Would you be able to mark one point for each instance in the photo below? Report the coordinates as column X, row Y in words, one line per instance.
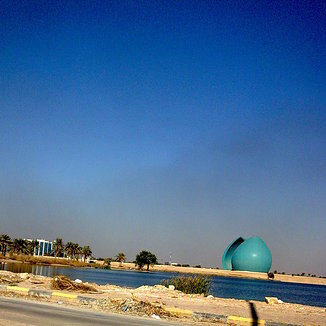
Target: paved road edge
column 229, row 320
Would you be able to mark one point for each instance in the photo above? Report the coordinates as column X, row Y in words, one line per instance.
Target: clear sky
column 170, row 126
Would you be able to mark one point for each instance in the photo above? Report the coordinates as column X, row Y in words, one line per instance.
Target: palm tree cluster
column 71, row 250
column 17, row 246
column 5, row 241
column 27, row 247
column 74, row 251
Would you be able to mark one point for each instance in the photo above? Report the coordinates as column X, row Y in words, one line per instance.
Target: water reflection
column 224, row 287
column 17, row 267
column 42, row 270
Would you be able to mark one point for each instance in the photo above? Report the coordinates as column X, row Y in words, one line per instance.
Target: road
column 21, row 312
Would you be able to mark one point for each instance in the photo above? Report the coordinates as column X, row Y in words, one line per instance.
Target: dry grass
column 51, row 261
column 10, row 278
column 61, row 282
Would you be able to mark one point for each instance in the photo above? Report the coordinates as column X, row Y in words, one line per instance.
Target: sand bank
column 220, row 272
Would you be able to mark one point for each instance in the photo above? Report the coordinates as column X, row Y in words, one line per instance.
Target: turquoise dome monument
column 250, row 255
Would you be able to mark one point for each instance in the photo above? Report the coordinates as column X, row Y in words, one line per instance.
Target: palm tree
column 79, row 251
column 19, row 246
column 5, row 241
column 72, row 249
column 31, row 245
column 86, row 251
column 120, row 257
column 58, row 247
column 69, row 249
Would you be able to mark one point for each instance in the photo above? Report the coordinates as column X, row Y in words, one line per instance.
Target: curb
column 17, row 289
column 44, row 293
column 40, row 293
column 179, row 312
column 64, row 295
column 211, row 317
column 235, row 320
column 229, row 320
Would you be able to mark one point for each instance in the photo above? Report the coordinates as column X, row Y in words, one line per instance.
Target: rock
column 77, row 280
column 271, row 300
column 24, row 276
column 171, row 287
column 210, row 297
column 155, row 316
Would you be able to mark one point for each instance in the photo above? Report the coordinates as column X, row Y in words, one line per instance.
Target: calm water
column 223, row 287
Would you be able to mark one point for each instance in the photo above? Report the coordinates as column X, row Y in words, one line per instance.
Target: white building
column 45, row 247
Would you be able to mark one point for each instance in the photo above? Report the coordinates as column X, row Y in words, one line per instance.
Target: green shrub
column 195, row 284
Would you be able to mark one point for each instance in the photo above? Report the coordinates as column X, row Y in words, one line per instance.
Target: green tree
column 69, row 249
column 145, row 258
column 19, row 246
column 5, row 242
column 120, row 257
column 107, row 262
column 59, row 247
column 31, row 245
column 79, row 252
column 72, row 250
column 86, row 252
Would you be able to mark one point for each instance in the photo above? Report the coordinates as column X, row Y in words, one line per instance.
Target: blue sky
column 172, row 127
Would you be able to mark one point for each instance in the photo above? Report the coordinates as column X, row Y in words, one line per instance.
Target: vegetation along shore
column 73, row 255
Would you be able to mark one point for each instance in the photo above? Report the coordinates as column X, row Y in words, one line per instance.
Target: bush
column 61, row 282
column 195, row 284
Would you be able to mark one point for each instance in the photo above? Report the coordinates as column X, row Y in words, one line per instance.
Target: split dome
column 247, row 255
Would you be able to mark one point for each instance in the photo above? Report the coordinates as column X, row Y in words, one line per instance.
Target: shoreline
column 167, row 304
column 194, row 270
column 225, row 273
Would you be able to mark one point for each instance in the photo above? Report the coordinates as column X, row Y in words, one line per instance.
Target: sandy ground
column 220, row 272
column 147, row 300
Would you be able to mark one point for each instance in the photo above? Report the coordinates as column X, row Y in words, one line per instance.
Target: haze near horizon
column 171, row 127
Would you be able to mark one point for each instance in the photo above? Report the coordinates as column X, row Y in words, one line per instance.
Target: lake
column 223, row 287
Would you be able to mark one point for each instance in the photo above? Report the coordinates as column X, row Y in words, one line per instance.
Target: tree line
column 144, row 258
column 70, row 250
column 21, row 246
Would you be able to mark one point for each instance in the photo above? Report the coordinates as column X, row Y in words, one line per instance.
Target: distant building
column 250, row 255
column 44, row 248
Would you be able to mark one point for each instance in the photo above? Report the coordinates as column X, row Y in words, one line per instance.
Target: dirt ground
column 149, row 300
